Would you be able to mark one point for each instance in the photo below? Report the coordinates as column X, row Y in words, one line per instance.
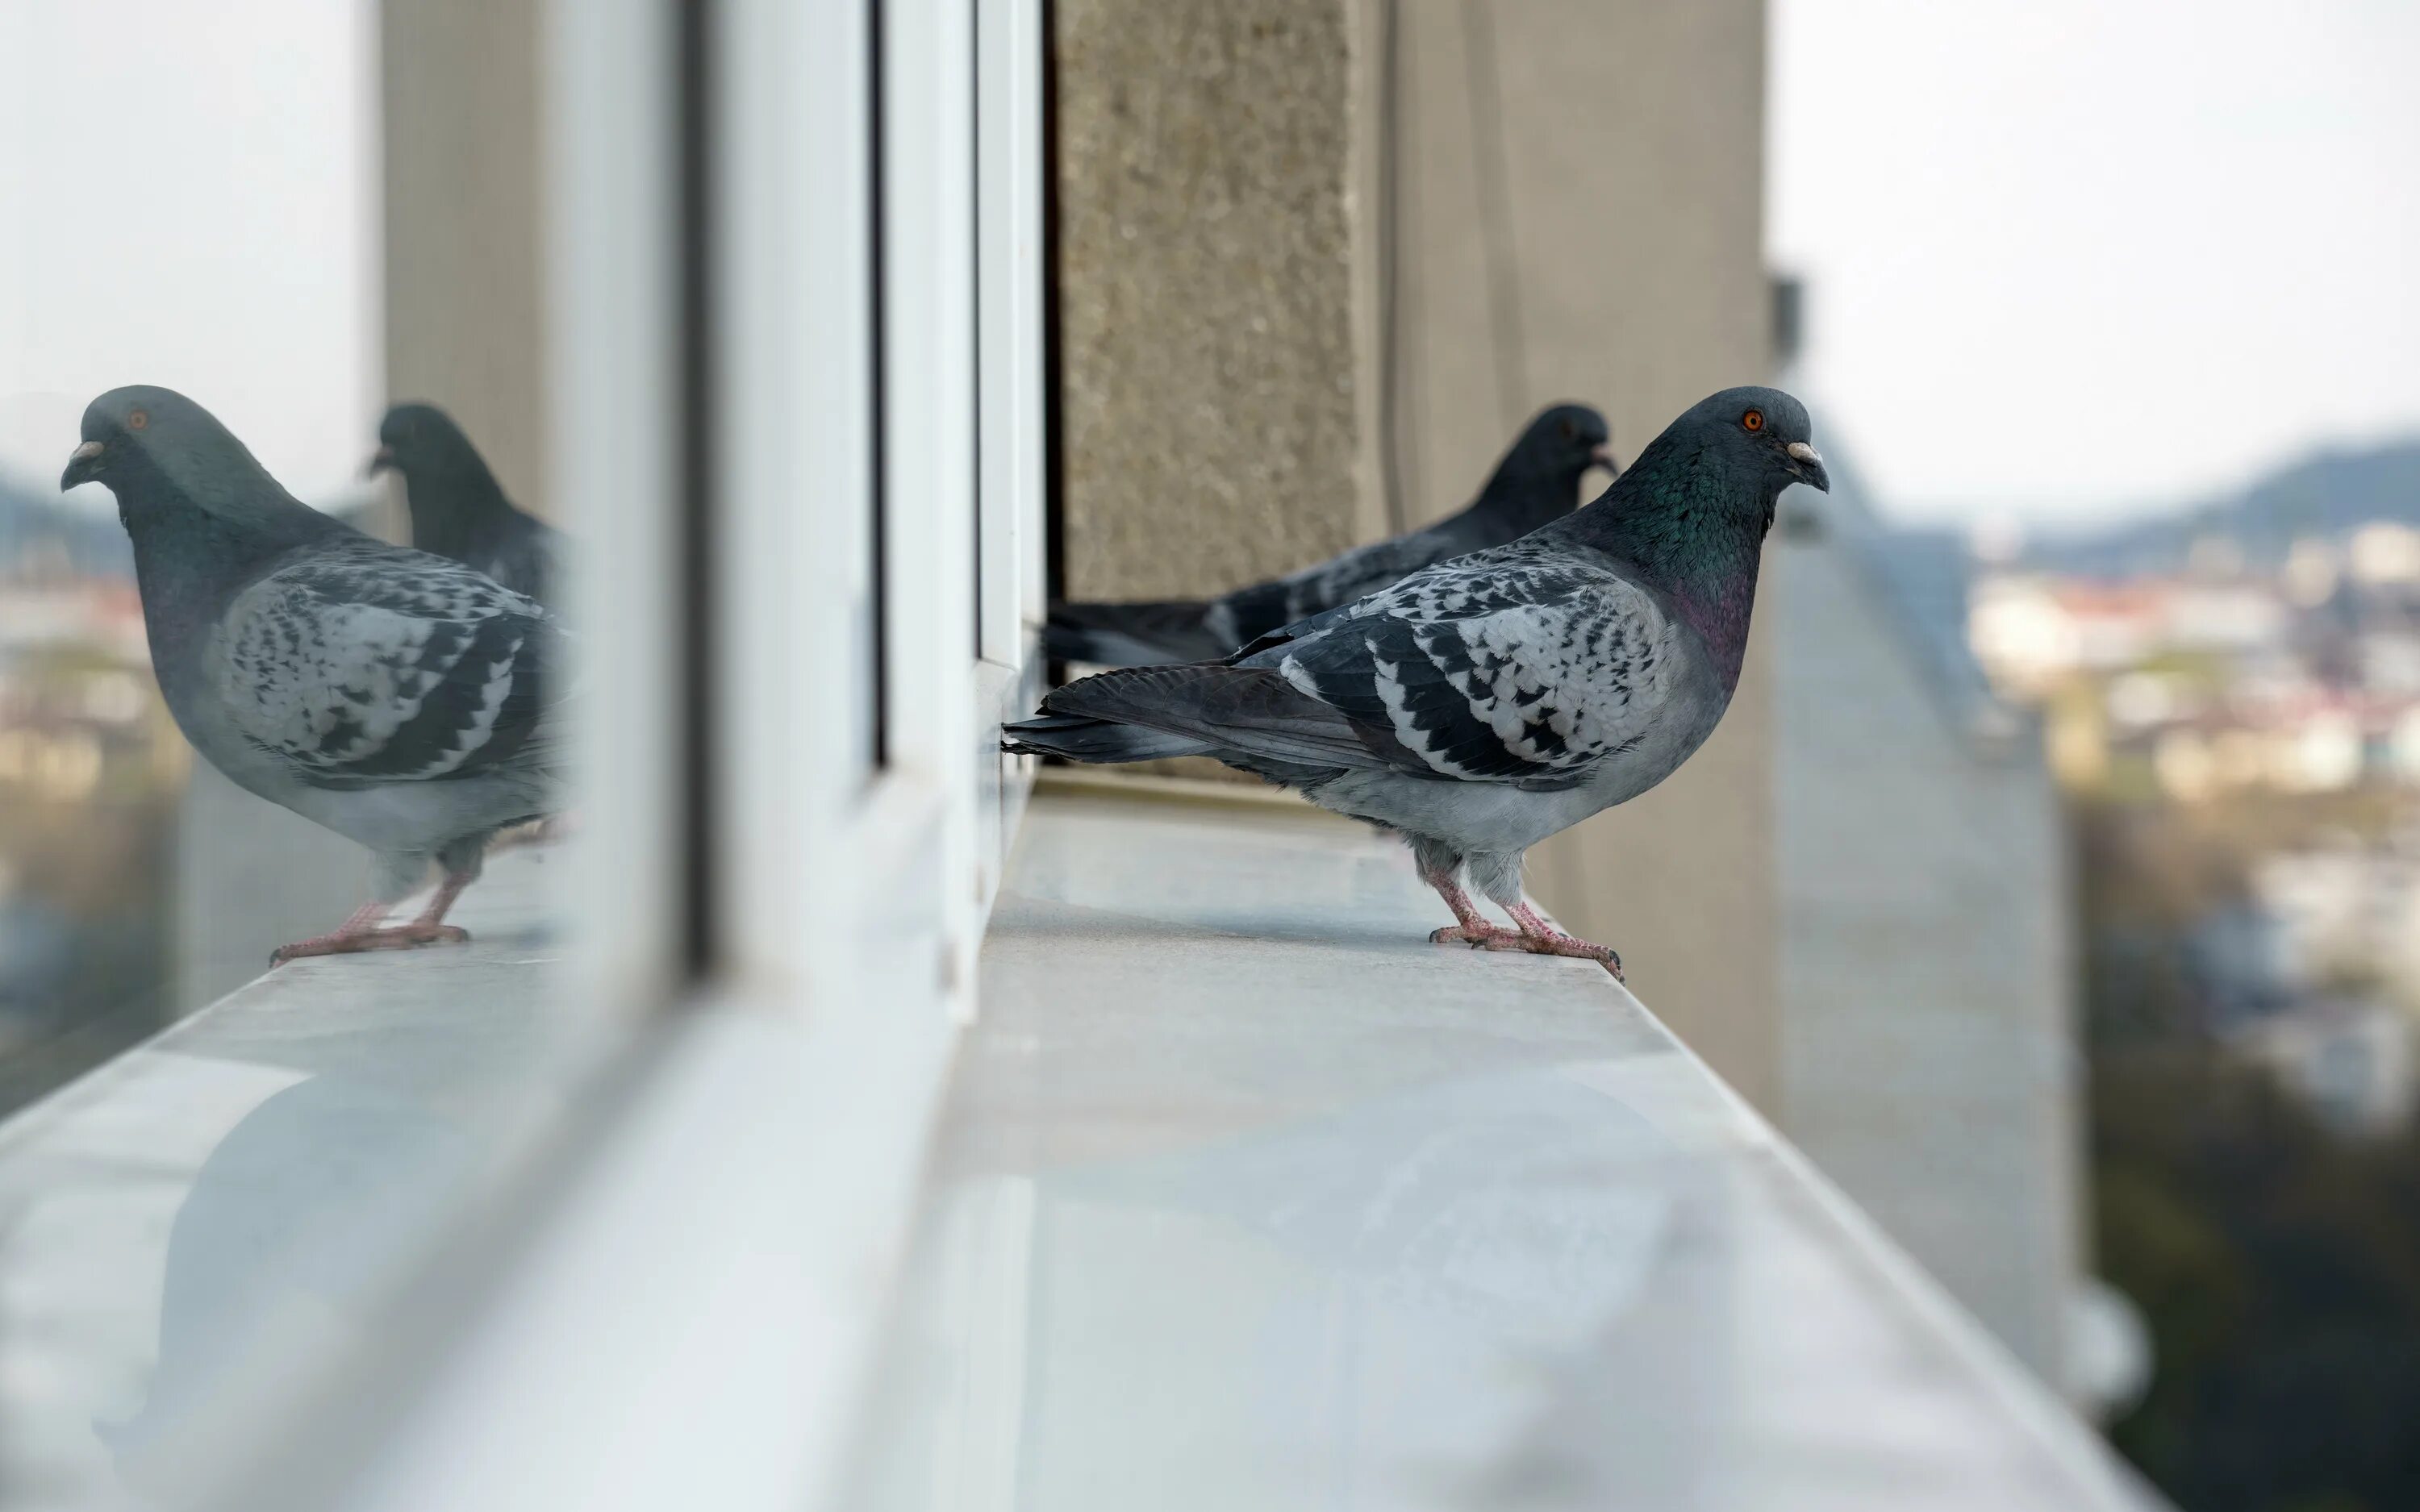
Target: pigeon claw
column 1562, row 945
column 1539, row 939
column 399, row 937
column 1538, row 936
column 1478, row 937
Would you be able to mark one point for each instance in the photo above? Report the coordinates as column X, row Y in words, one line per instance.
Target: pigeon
column 1484, row 703
column 400, row 699
column 458, row 510
column 1538, row 480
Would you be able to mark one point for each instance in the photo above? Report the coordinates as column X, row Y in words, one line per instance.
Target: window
column 110, row 924
column 783, row 307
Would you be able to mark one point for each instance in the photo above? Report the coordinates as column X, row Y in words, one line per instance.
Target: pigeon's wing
column 1254, row 612
column 1490, row 668
column 1226, row 711
column 376, row 665
column 1502, row 667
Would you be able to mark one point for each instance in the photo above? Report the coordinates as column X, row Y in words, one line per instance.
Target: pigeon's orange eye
column 1753, row 420
column 136, row 420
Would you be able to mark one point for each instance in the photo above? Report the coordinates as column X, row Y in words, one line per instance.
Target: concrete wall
column 1209, row 398
column 1572, row 211
column 1928, row 1047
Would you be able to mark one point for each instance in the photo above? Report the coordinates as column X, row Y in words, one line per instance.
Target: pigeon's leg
column 433, row 917
column 1441, row 868
column 1497, row 873
column 356, row 934
column 360, row 924
column 360, row 932
column 1538, row 938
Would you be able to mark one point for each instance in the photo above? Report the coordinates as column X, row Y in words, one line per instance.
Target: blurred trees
column 2276, row 1264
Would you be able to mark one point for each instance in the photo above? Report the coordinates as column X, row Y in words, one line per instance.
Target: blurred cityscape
column 2235, row 693
column 2230, row 700
column 90, row 771
column 93, row 777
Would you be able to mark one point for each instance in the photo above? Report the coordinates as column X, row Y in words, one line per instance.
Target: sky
column 2065, row 258
column 188, row 197
column 2069, row 259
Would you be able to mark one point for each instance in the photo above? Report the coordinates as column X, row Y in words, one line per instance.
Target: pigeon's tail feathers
column 1154, row 634
column 1224, row 711
column 1079, row 738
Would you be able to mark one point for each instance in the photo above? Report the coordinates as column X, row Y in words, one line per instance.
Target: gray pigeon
column 459, row 510
column 1537, row 481
column 1487, row 703
column 399, row 699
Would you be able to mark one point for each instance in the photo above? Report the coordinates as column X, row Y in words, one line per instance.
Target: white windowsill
column 1244, row 1196
column 1241, row 1194
column 202, row 1213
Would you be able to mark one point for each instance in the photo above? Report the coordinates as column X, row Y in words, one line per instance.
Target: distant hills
column 39, row 531
column 2327, row 494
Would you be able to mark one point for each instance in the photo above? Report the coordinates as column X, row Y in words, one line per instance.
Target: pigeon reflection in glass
column 400, row 699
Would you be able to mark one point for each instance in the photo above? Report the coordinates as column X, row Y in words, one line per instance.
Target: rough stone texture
column 1204, row 150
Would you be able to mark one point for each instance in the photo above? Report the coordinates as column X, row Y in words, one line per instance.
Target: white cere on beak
column 1805, row 453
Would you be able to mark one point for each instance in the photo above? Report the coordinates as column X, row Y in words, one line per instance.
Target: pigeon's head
column 1759, row 432
column 1563, row 443
column 140, row 432
column 421, row 441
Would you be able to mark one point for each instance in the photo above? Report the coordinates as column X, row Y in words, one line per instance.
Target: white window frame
column 1012, row 506
column 690, row 1321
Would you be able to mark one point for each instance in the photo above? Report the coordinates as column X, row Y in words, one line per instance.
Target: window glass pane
column 164, row 229
column 235, row 716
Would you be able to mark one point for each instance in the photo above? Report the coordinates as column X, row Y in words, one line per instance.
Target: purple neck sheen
column 1719, row 612
column 1693, row 528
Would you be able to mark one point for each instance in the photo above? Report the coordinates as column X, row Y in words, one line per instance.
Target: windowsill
column 1244, row 1195
column 260, row 1174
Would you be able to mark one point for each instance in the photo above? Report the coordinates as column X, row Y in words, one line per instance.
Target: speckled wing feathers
column 1253, row 710
column 1507, row 666
column 1520, row 666
column 372, row 665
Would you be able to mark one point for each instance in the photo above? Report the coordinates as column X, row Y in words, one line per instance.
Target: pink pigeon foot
column 1470, row 927
column 1538, row 937
column 360, row 930
column 400, row 937
column 1478, row 936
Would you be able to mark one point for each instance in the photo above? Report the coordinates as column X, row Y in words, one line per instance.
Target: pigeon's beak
column 382, row 460
column 83, row 465
column 1807, row 466
column 1603, row 456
